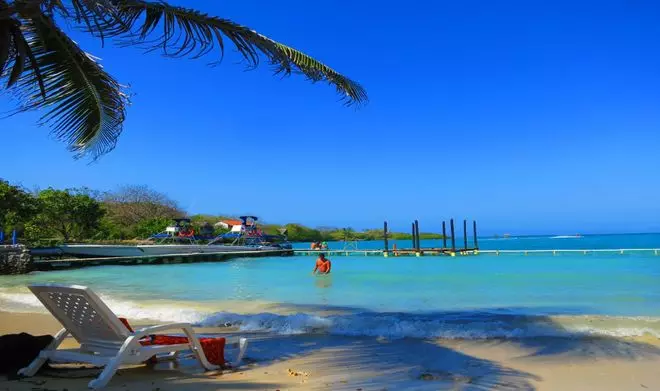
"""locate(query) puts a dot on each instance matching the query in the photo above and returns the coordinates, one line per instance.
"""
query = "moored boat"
(180, 238)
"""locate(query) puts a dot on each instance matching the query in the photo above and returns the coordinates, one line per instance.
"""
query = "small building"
(231, 223)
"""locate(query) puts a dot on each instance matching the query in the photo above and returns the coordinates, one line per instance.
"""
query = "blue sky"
(532, 117)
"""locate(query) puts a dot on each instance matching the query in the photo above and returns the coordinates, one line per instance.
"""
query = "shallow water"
(523, 242)
(467, 296)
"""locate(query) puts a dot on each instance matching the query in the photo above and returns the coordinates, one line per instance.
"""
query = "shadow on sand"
(423, 363)
(339, 361)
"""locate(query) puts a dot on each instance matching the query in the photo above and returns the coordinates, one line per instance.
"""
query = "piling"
(387, 248)
(417, 245)
(414, 237)
(453, 240)
(474, 232)
(465, 236)
(444, 235)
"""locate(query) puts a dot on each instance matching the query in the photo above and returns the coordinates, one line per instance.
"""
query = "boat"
(180, 238)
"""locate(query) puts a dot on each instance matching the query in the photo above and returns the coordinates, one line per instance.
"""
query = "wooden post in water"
(453, 240)
(387, 249)
(444, 236)
(474, 232)
(417, 235)
(414, 237)
(465, 237)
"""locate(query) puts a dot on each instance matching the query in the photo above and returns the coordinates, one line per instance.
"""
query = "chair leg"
(112, 366)
(107, 373)
(41, 359)
(242, 348)
(195, 346)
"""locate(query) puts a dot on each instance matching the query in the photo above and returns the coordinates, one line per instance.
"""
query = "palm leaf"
(85, 106)
(181, 32)
(14, 52)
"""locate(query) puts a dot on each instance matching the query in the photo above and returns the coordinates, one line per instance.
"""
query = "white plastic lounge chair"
(104, 340)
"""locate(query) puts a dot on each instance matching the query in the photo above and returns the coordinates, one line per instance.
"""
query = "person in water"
(323, 265)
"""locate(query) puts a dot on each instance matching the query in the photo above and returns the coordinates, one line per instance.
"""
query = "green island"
(131, 213)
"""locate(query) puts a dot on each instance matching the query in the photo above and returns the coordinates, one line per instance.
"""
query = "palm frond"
(85, 106)
(182, 32)
(14, 51)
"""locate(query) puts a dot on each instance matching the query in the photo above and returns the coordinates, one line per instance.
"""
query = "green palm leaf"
(85, 106)
(181, 32)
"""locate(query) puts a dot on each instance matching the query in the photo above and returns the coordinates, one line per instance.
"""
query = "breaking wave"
(390, 325)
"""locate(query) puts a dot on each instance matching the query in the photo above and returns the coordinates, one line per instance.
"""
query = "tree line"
(80, 214)
(52, 216)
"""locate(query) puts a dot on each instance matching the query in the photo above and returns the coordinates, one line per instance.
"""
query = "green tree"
(300, 233)
(109, 230)
(348, 234)
(85, 105)
(17, 206)
(68, 214)
(148, 227)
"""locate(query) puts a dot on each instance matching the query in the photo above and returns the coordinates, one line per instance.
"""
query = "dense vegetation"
(131, 212)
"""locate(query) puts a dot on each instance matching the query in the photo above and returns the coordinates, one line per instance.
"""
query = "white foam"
(566, 237)
(27, 302)
(20, 302)
(387, 325)
(394, 326)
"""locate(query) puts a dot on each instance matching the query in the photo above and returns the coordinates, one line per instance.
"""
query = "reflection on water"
(323, 281)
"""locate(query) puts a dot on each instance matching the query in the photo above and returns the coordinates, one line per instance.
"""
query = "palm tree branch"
(85, 106)
(182, 32)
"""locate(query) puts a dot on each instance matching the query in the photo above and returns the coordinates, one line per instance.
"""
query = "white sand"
(344, 363)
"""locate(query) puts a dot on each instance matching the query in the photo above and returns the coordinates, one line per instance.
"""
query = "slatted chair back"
(84, 315)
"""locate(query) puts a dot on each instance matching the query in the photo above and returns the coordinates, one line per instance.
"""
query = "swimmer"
(323, 265)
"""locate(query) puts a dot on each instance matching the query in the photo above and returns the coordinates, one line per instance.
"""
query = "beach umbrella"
(14, 237)
(2, 236)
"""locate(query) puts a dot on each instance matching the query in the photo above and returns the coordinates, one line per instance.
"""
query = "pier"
(418, 250)
(447, 251)
(164, 259)
(452, 250)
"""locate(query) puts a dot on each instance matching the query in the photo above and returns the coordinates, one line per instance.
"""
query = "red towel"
(214, 348)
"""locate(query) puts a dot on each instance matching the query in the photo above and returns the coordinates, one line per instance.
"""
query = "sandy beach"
(344, 363)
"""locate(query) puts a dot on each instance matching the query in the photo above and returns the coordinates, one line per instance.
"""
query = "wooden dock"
(394, 253)
(472, 251)
(164, 259)
(654, 251)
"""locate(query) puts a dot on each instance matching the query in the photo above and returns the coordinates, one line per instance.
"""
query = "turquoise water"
(525, 242)
(469, 296)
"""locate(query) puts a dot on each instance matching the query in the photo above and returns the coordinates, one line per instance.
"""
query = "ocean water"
(483, 296)
(550, 242)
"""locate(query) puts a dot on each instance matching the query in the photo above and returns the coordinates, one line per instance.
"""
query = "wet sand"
(322, 362)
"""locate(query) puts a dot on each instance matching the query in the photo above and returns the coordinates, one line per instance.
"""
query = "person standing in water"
(323, 265)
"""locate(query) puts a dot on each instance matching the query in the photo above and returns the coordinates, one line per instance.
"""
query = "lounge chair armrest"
(143, 332)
